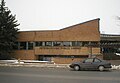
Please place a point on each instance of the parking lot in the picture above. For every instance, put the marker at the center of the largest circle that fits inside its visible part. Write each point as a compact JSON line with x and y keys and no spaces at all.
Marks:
{"x":56,"y":75}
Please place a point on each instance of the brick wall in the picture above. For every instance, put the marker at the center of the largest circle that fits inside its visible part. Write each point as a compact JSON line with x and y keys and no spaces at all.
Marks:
{"x":24,"y":54}
{"x":87,"y":31}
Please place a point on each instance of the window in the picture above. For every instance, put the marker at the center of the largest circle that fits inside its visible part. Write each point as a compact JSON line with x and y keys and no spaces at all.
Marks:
{"x":97,"y":61}
{"x":57,"y":43}
{"x":76,"y":43}
{"x":85,"y":43}
{"x":118,"y":50}
{"x":94,"y":43}
{"x":38,"y":43}
{"x":30,"y":45}
{"x":66,"y":43}
{"x":88,"y":61}
{"x":23,"y":45}
{"x":48,"y":44}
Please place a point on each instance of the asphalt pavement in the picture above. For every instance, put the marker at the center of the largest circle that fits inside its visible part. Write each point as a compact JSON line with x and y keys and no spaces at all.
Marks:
{"x":56,"y":75}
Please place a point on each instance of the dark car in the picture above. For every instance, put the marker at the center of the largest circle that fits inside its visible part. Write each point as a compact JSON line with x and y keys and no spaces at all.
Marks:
{"x":91,"y":63}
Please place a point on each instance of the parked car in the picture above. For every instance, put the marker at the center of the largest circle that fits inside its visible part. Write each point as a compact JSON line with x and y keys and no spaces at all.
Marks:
{"x":91,"y":63}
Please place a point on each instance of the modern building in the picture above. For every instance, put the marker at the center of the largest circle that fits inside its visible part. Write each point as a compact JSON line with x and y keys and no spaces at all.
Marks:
{"x":61,"y":46}
{"x":110,"y":46}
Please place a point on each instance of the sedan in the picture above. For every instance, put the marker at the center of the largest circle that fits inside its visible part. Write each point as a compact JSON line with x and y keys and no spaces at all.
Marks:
{"x":91,"y":64}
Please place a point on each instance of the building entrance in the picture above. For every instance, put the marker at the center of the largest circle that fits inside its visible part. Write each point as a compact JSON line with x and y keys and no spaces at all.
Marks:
{"x":44,"y":58}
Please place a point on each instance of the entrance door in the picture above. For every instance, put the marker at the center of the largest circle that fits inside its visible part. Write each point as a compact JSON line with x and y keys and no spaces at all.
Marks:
{"x":44,"y":58}
{"x":40,"y":57}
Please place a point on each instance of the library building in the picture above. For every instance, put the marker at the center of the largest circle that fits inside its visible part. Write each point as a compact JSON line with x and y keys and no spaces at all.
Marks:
{"x":66,"y":45}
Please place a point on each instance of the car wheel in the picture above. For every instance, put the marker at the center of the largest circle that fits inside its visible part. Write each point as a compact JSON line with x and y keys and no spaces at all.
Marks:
{"x":101,"y":68}
{"x":76,"y":67}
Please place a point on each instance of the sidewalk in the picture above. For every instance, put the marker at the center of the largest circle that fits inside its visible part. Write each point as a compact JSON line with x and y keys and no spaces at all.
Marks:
{"x":114,"y":62}
{"x":36,"y":65}
{"x":43,"y":64}
{"x":32,"y":63}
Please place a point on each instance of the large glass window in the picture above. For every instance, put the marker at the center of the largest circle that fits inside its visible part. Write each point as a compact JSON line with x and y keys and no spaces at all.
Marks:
{"x":30,"y":45}
{"x":118,"y":50}
{"x":76,"y":43}
{"x":57,"y":43}
{"x":85,"y":43}
{"x":94,"y":43}
{"x":23,"y":45}
{"x":66,"y":43}
{"x":48,"y":44}
{"x":38,"y":43}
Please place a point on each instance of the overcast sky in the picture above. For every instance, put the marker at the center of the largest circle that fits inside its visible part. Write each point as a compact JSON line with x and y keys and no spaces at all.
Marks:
{"x":58,"y":14}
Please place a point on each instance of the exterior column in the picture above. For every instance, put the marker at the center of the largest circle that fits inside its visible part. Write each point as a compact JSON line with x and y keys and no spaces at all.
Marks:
{"x":90,"y":50}
{"x":26,"y":45}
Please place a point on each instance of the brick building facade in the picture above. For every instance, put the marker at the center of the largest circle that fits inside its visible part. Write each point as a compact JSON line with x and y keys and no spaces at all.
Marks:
{"x":61,"y":46}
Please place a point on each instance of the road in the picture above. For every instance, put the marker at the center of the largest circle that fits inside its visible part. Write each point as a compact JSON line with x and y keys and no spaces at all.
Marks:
{"x":56,"y":75}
